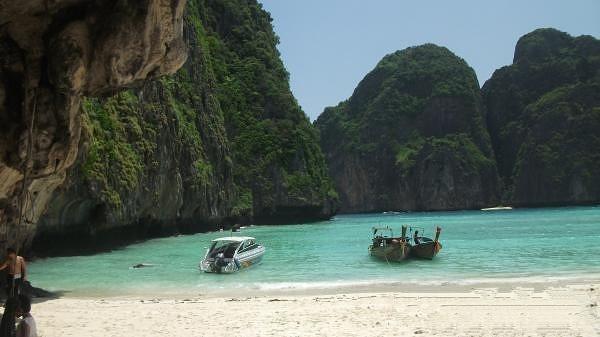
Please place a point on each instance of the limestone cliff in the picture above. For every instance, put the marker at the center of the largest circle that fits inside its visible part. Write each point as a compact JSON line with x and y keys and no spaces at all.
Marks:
{"x":223,"y":140}
{"x":411,"y":137}
{"x":544,"y":117}
{"x":279,"y":169}
{"x":52,"y":54}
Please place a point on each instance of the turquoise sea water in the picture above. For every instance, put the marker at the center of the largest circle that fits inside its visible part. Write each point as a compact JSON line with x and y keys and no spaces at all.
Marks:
{"x":528,"y":244}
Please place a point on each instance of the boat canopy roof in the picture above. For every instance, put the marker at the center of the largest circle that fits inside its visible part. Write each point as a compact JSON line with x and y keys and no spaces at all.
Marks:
{"x":382,"y":228}
{"x":234,"y":238}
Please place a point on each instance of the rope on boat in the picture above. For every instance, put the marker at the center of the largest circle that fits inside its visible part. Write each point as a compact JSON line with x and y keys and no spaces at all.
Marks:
{"x":25,"y":195}
{"x":386,"y":259}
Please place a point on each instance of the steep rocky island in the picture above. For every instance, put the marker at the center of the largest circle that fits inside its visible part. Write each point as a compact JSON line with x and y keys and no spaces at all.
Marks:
{"x":411,"y":137}
{"x":418,"y":134}
{"x":221,"y":140}
{"x":544,"y":120}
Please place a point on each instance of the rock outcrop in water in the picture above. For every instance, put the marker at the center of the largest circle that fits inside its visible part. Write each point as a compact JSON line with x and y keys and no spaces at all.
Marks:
{"x":221,"y":140}
{"x":544,"y":120}
{"x":51,"y":54}
{"x":411,"y":137}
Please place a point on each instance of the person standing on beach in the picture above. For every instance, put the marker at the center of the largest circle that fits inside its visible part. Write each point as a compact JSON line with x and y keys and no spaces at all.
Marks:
{"x":7,"y":325}
{"x":27,"y":326}
{"x":17,"y":270}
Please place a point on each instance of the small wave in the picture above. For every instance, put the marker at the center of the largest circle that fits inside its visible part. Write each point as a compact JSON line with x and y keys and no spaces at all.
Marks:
{"x":316,"y":285}
{"x":324,"y":285}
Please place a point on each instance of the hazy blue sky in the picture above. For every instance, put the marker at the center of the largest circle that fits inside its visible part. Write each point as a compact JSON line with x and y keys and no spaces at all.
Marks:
{"x":328,"y":46}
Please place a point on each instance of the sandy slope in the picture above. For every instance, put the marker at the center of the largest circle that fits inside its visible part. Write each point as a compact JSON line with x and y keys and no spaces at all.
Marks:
{"x":555,"y":311}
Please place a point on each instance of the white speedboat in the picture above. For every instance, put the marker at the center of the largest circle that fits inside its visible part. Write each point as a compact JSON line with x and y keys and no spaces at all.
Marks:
{"x":230,"y":254}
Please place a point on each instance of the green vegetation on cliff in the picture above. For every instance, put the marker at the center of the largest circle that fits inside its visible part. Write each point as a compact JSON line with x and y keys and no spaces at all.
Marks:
{"x":113,"y":160}
{"x":543,"y":119}
{"x":278,"y":161}
{"x":412,"y":136}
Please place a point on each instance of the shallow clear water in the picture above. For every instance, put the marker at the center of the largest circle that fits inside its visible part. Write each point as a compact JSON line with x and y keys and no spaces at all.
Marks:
{"x":532,"y":244}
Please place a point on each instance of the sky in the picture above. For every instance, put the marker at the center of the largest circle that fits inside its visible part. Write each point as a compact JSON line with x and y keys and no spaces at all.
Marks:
{"x":328,"y":46}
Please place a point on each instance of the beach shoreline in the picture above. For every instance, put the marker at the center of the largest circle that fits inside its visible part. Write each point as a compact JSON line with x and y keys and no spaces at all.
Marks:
{"x":474,"y":310}
{"x":331,"y":288}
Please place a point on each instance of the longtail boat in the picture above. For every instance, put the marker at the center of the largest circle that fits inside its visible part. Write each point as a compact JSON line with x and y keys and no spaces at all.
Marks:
{"x":424,"y":247}
{"x":387,"y":247}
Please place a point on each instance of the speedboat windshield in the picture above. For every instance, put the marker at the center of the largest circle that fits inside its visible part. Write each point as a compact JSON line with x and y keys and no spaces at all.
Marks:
{"x":228,"y":248}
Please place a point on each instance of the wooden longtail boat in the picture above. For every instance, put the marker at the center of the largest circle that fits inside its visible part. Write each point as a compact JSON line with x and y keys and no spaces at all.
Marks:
{"x":426,"y":248}
{"x":387,"y":247}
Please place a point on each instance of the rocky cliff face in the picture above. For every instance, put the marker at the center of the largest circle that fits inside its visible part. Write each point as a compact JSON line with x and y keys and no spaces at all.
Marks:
{"x":221,"y":140}
{"x":411,"y":137}
{"x":279,"y":169}
{"x":544,"y":117}
{"x":52,"y":54}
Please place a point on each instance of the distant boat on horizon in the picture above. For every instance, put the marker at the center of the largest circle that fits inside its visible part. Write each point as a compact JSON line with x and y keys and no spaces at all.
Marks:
{"x":497,"y":208}
{"x":394,"y":212}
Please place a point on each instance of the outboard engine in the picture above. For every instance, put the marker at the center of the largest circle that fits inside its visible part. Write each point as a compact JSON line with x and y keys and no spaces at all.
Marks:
{"x":220,"y":262}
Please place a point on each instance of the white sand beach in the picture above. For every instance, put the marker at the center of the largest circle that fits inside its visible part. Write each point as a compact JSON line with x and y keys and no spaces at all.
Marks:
{"x":564,"y":310}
